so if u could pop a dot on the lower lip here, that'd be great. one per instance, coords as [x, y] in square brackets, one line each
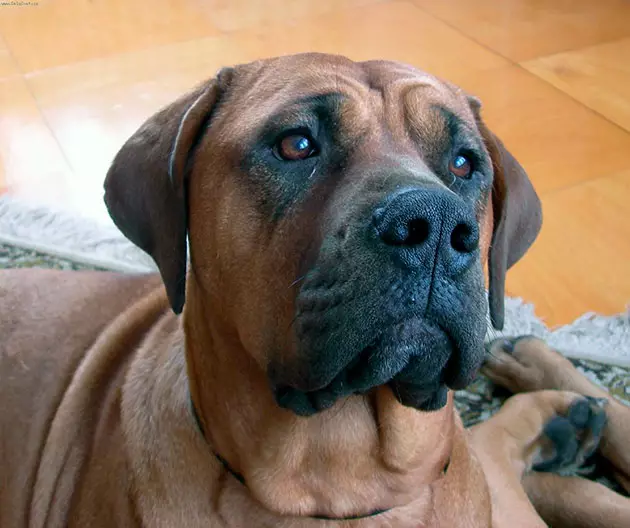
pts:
[423, 400]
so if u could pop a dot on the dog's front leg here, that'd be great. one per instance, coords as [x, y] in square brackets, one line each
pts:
[576, 502]
[526, 364]
[541, 430]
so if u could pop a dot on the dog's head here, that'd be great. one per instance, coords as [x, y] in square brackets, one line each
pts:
[339, 215]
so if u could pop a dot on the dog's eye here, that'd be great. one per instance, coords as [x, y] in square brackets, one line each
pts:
[295, 147]
[460, 166]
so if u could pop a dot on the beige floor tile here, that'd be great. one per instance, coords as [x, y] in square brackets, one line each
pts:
[240, 14]
[393, 30]
[57, 32]
[598, 76]
[33, 165]
[7, 64]
[559, 141]
[93, 107]
[580, 261]
[524, 29]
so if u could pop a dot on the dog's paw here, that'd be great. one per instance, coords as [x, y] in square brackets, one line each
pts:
[524, 364]
[567, 442]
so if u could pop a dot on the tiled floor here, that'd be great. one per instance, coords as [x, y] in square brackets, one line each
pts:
[78, 76]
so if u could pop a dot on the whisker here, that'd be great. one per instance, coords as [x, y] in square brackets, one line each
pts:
[493, 335]
[299, 279]
[496, 358]
[292, 322]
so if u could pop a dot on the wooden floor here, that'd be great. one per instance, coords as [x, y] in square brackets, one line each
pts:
[78, 76]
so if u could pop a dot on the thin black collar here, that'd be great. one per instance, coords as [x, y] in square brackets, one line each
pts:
[241, 479]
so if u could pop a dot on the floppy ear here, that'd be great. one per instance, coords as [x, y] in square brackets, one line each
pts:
[145, 187]
[517, 218]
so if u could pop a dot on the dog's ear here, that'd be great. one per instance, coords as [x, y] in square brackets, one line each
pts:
[145, 187]
[517, 217]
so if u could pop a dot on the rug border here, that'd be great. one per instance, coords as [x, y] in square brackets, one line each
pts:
[96, 244]
[75, 256]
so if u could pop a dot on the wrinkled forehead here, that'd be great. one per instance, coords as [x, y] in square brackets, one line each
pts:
[290, 84]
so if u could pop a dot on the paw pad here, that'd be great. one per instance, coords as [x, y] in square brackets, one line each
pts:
[568, 441]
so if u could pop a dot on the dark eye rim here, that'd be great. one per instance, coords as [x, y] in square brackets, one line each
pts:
[300, 131]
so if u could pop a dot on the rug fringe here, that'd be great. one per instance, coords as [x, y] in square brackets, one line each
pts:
[62, 234]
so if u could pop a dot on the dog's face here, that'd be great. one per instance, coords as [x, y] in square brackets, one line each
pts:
[339, 217]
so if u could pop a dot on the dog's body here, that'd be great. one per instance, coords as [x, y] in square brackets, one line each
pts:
[82, 455]
[339, 222]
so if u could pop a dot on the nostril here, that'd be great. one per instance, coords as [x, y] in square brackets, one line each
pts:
[418, 232]
[412, 233]
[464, 239]
[399, 231]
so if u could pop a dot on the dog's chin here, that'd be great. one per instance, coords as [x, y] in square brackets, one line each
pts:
[419, 397]
[417, 359]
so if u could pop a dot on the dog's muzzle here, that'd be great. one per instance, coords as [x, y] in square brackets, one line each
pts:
[401, 302]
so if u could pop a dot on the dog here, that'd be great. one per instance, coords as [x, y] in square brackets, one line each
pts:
[322, 230]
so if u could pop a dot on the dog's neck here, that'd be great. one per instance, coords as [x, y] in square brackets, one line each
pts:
[365, 454]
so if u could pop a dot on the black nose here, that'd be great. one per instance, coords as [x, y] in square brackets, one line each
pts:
[425, 225]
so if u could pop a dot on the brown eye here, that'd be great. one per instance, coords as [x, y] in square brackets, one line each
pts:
[460, 166]
[295, 147]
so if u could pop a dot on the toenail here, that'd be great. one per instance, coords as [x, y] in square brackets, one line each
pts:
[508, 346]
[579, 413]
[523, 338]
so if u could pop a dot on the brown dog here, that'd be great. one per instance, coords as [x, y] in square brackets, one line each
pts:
[339, 217]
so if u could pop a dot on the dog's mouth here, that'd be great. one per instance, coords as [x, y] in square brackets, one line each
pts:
[416, 358]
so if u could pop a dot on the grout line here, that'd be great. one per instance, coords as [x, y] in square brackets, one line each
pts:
[26, 75]
[109, 56]
[22, 76]
[574, 185]
[571, 96]
[224, 34]
[16, 64]
[605, 42]
[468, 37]
[50, 128]
[555, 88]
[520, 66]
